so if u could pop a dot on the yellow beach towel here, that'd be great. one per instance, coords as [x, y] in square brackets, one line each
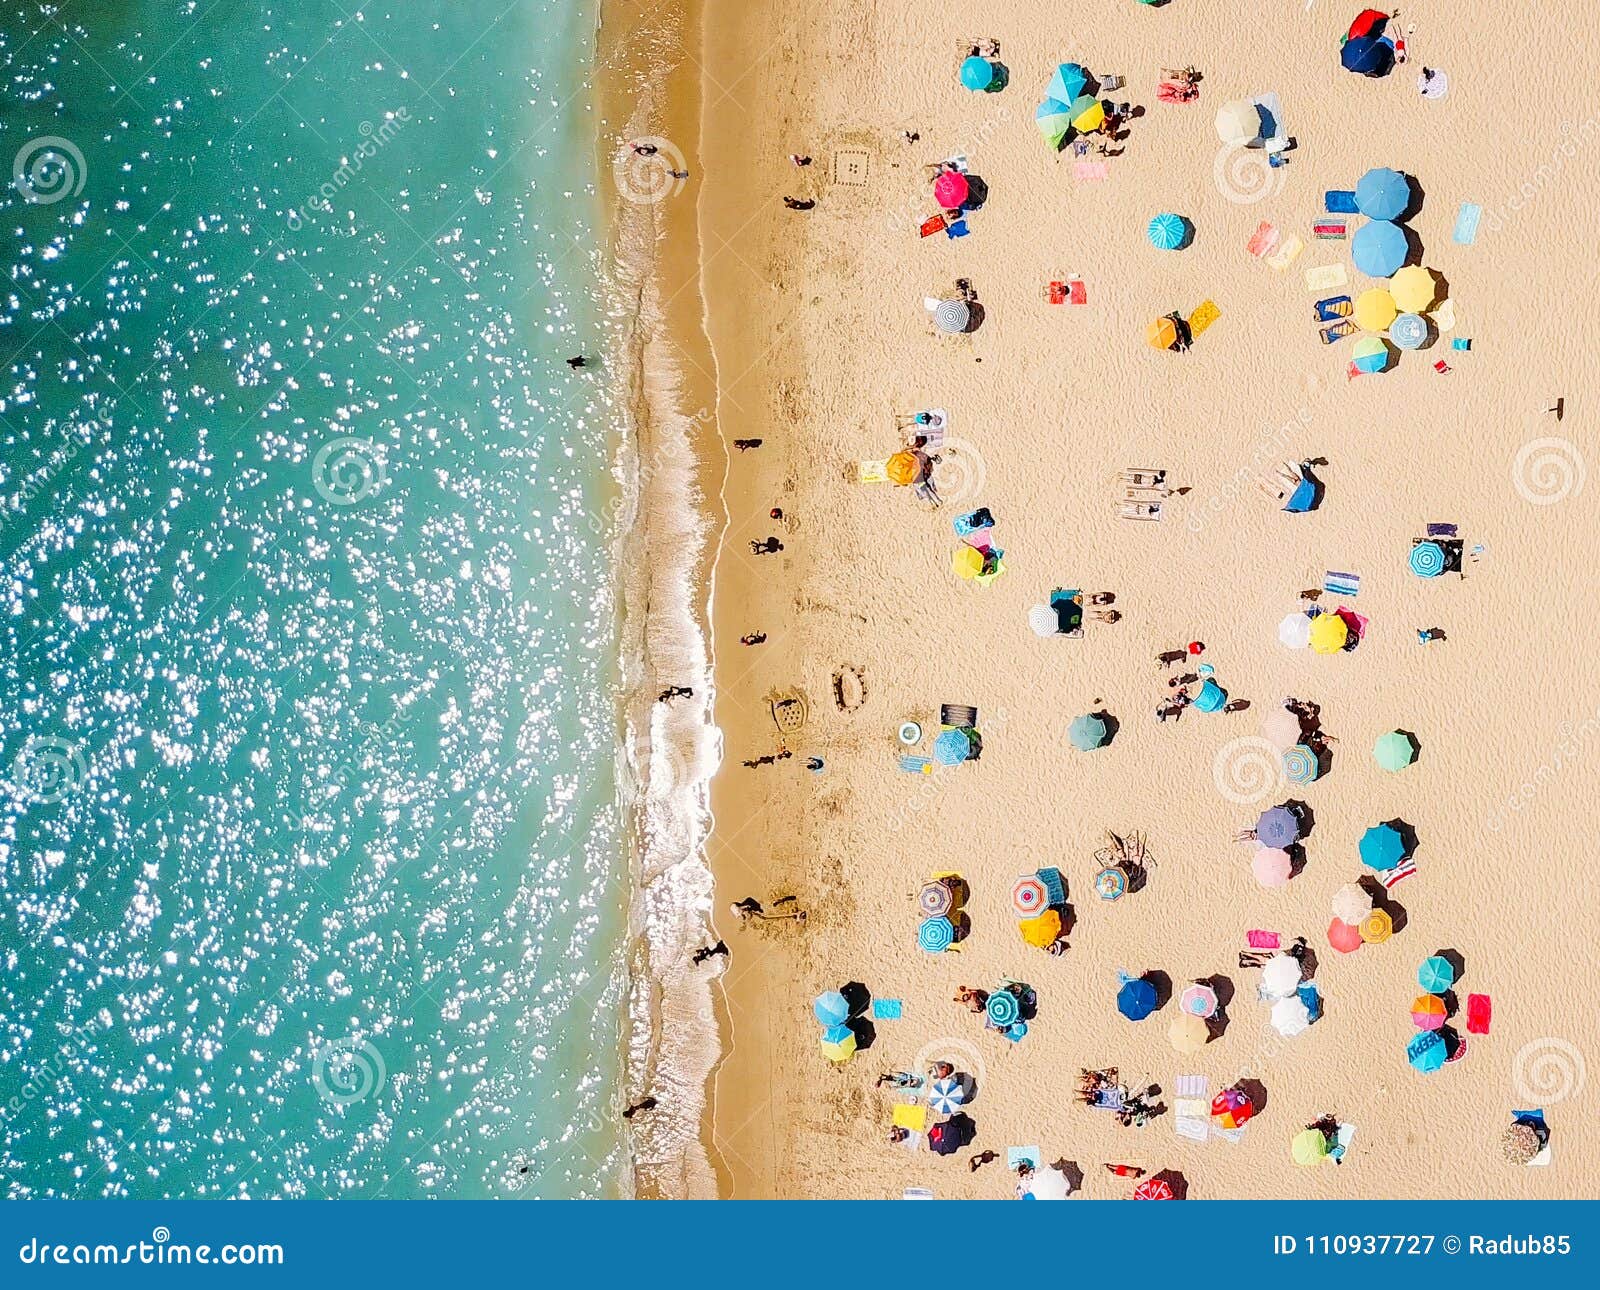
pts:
[1287, 252]
[1328, 275]
[1206, 313]
[872, 472]
[910, 1115]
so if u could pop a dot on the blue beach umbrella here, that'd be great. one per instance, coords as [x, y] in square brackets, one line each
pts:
[1137, 999]
[1003, 1009]
[1409, 331]
[1299, 764]
[977, 73]
[1427, 1051]
[1427, 559]
[1367, 56]
[1382, 194]
[1436, 975]
[1054, 119]
[936, 935]
[1211, 697]
[1382, 847]
[1067, 83]
[946, 1097]
[1379, 248]
[1370, 354]
[831, 1008]
[952, 747]
[1277, 827]
[1167, 231]
[1087, 732]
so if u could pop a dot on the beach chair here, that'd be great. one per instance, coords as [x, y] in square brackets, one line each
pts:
[958, 714]
[1338, 331]
[1140, 477]
[1340, 201]
[1139, 510]
[1333, 308]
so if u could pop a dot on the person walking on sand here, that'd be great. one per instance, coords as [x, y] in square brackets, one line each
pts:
[798, 160]
[744, 445]
[769, 547]
[795, 204]
[981, 1159]
[644, 149]
[643, 1104]
[750, 907]
[753, 638]
[710, 951]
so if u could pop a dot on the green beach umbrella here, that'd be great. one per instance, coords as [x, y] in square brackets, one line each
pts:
[1371, 354]
[1087, 113]
[1393, 751]
[1088, 732]
[1054, 119]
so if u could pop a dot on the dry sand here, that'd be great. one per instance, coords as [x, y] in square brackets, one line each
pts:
[819, 338]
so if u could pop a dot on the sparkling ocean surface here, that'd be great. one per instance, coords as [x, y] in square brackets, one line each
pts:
[311, 870]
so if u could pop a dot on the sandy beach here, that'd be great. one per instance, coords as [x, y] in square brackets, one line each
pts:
[819, 338]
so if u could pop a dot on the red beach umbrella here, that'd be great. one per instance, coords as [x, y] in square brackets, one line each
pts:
[1365, 22]
[1343, 937]
[1153, 1189]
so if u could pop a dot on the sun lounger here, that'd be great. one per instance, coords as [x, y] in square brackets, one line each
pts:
[1326, 276]
[958, 714]
[1465, 232]
[1146, 494]
[1338, 331]
[1205, 313]
[1341, 584]
[1137, 477]
[1139, 510]
[1333, 308]
[1339, 201]
[1287, 253]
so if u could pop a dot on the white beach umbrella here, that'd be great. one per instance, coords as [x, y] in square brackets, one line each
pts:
[1290, 1016]
[1295, 631]
[1281, 976]
[1044, 620]
[1049, 1183]
[1351, 903]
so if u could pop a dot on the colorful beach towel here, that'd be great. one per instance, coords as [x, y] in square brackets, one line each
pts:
[1076, 292]
[1479, 1011]
[917, 1193]
[914, 765]
[1339, 201]
[931, 225]
[1287, 252]
[1399, 873]
[1089, 169]
[886, 1009]
[1205, 313]
[1330, 229]
[1263, 241]
[1259, 940]
[1465, 232]
[1341, 584]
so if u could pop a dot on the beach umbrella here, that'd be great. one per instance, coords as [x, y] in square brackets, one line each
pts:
[1239, 123]
[1087, 732]
[1343, 937]
[1436, 975]
[1233, 1108]
[831, 1008]
[1041, 932]
[936, 935]
[1295, 631]
[1049, 1183]
[949, 1137]
[950, 189]
[1299, 764]
[1003, 1009]
[1029, 897]
[1432, 83]
[1377, 927]
[1087, 113]
[967, 562]
[952, 316]
[1161, 334]
[1375, 309]
[1382, 847]
[1409, 331]
[1154, 1189]
[1044, 620]
[1167, 231]
[1427, 559]
[1280, 727]
[1310, 1147]
[1188, 1033]
[1277, 827]
[1136, 1000]
[1427, 1012]
[1369, 22]
[952, 747]
[1427, 1051]
[1290, 1016]
[1110, 884]
[1393, 751]
[1211, 697]
[935, 899]
[1519, 1143]
[1370, 354]
[1351, 903]
[838, 1043]
[946, 1096]
[1382, 193]
[1054, 119]
[1328, 633]
[1067, 82]
[1199, 1000]
[1379, 248]
[1271, 866]
[1280, 975]
[1367, 56]
[1414, 288]
[902, 468]
[1055, 886]
[977, 73]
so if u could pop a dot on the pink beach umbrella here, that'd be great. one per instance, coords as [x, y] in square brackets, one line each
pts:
[950, 190]
[1271, 866]
[1343, 937]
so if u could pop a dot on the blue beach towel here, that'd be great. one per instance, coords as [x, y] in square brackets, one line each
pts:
[914, 765]
[1022, 1155]
[886, 1010]
[1341, 584]
[1309, 996]
[1466, 229]
[957, 228]
[1340, 201]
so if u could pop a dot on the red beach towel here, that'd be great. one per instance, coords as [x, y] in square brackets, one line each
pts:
[1077, 292]
[1478, 1014]
[1259, 940]
[932, 225]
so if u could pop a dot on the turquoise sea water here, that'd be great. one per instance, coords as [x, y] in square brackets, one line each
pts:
[310, 864]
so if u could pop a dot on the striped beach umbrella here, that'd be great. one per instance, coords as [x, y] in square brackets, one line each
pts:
[1409, 331]
[1427, 559]
[946, 1096]
[936, 935]
[1199, 1000]
[1110, 884]
[1028, 896]
[1168, 231]
[934, 900]
[952, 316]
[1379, 248]
[1299, 764]
[1003, 1009]
[952, 747]
[1233, 1108]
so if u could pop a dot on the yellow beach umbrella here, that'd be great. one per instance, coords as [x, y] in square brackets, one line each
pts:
[1087, 113]
[1413, 288]
[1310, 1147]
[966, 562]
[1375, 310]
[1188, 1032]
[1376, 926]
[902, 468]
[1042, 931]
[840, 1049]
[1162, 333]
[1328, 633]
